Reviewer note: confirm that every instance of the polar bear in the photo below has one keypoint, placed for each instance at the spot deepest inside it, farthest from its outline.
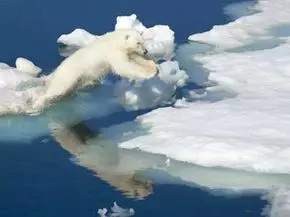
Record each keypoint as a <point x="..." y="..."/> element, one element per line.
<point x="121" y="52"/>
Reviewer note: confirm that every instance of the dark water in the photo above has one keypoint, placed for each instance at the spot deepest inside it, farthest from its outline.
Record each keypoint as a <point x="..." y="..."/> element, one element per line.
<point x="37" y="178"/>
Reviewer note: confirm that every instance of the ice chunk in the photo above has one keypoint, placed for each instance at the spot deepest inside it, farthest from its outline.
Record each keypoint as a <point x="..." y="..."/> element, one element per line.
<point x="108" y="160"/>
<point x="77" y="38"/>
<point x="237" y="10"/>
<point x="279" y="199"/>
<point x="159" y="39"/>
<point x="102" y="212"/>
<point x="27" y="66"/>
<point x="129" y="22"/>
<point x="246" y="29"/>
<point x="186" y="54"/>
<point x="239" y="132"/>
<point x="4" y="66"/>
<point x="21" y="77"/>
<point x="117" y="211"/>
<point x="155" y="92"/>
<point x="171" y="74"/>
<point x="69" y="43"/>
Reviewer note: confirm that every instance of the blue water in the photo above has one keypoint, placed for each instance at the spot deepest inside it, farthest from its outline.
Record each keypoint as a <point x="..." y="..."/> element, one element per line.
<point x="37" y="178"/>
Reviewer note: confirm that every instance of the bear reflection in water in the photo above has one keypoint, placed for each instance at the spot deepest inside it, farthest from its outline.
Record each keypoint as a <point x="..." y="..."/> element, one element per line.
<point x="92" y="151"/>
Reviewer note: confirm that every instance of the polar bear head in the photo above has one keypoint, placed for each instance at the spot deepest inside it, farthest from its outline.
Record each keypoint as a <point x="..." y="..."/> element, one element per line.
<point x="133" y="42"/>
<point x="129" y="59"/>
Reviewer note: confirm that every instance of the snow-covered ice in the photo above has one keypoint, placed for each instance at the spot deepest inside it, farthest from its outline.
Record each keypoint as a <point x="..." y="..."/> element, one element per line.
<point x="248" y="28"/>
<point x="249" y="129"/>
<point x="159" y="39"/>
<point x="14" y="81"/>
<point x="20" y="76"/>
<point x="103" y="154"/>
<point x="27" y="66"/>
<point x="78" y="38"/>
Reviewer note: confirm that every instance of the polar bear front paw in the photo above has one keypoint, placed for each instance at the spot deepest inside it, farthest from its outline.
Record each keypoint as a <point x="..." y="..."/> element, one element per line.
<point x="152" y="69"/>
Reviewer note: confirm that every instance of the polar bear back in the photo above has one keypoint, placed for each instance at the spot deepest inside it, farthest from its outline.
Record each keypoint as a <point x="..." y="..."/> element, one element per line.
<point x="87" y="62"/>
<point x="96" y="58"/>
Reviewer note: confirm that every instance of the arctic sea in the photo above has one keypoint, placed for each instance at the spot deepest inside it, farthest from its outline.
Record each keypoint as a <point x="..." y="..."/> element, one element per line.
<point x="38" y="178"/>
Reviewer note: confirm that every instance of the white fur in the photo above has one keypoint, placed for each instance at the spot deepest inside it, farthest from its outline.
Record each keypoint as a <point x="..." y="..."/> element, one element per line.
<point x="120" y="51"/>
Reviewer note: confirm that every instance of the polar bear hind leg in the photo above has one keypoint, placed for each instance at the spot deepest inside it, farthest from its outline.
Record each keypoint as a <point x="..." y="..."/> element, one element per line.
<point x="55" y="91"/>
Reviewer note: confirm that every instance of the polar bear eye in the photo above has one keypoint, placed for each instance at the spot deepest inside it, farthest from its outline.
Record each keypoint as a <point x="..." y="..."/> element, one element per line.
<point x="127" y="37"/>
